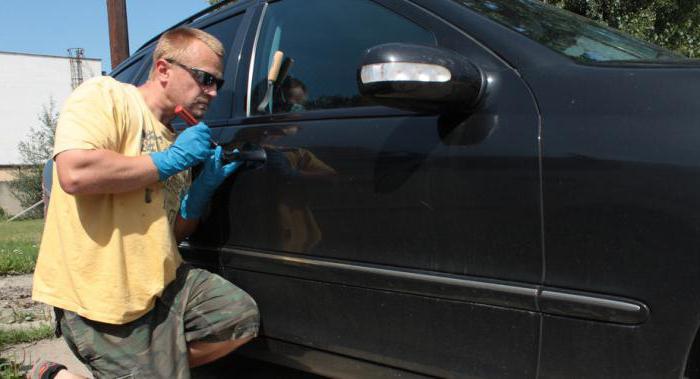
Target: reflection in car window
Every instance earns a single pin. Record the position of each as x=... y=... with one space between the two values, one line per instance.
x=320 y=44
x=567 y=33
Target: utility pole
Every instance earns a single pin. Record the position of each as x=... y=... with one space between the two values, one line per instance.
x=118 y=31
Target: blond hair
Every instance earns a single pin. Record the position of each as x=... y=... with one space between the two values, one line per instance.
x=174 y=44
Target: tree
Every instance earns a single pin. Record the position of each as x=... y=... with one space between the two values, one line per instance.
x=673 y=24
x=34 y=152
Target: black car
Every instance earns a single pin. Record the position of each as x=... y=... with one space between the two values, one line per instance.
x=468 y=189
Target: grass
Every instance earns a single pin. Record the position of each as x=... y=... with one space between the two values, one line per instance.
x=10 y=368
x=19 y=245
x=15 y=336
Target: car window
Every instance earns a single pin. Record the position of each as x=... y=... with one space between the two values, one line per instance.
x=320 y=44
x=567 y=33
x=127 y=75
x=142 y=75
x=225 y=30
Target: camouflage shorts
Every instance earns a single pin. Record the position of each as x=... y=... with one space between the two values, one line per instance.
x=197 y=306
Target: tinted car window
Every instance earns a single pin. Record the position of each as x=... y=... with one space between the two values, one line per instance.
x=225 y=31
x=321 y=42
x=127 y=75
x=569 y=34
x=141 y=77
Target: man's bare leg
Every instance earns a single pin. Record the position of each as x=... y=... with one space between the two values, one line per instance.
x=65 y=374
x=200 y=353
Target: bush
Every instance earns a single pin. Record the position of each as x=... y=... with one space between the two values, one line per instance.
x=672 y=24
x=35 y=151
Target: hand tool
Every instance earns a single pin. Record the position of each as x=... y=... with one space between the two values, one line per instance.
x=271 y=78
x=255 y=154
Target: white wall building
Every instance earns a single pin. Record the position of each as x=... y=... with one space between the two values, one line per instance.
x=27 y=83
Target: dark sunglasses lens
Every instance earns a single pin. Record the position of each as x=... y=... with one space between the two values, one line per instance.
x=206 y=79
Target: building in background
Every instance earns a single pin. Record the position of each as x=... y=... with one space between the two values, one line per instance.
x=9 y=204
x=28 y=82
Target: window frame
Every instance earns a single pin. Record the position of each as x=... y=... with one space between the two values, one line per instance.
x=398 y=7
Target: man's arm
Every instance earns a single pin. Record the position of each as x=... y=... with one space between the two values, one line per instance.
x=96 y=171
x=82 y=172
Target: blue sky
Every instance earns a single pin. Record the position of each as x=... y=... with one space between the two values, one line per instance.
x=50 y=27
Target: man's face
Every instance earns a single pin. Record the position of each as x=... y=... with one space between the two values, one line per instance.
x=297 y=95
x=183 y=86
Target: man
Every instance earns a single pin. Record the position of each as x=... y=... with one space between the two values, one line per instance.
x=108 y=262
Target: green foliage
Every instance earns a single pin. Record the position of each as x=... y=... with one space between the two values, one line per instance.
x=673 y=24
x=10 y=369
x=17 y=257
x=26 y=187
x=19 y=241
x=10 y=366
x=34 y=151
x=15 y=336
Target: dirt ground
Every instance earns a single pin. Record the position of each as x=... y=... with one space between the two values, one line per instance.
x=18 y=311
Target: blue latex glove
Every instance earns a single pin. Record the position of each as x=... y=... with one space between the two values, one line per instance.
x=190 y=148
x=213 y=174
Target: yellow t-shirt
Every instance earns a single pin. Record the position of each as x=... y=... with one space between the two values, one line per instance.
x=108 y=256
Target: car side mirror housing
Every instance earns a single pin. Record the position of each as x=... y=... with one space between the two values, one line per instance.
x=419 y=78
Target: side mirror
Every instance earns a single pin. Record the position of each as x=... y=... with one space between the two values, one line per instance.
x=419 y=78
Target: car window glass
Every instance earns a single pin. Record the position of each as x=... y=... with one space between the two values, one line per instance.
x=126 y=75
x=321 y=43
x=569 y=34
x=142 y=75
x=225 y=31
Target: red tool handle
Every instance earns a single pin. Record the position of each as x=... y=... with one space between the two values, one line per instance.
x=185 y=115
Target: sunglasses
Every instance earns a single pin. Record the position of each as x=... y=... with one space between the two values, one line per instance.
x=204 y=78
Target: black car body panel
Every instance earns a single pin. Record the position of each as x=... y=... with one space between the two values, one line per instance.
x=550 y=230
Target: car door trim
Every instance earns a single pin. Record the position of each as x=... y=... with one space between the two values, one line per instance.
x=471 y=289
x=253 y=51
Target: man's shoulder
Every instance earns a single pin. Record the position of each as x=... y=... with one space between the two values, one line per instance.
x=102 y=83
x=101 y=89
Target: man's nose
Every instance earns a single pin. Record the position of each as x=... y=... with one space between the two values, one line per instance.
x=211 y=91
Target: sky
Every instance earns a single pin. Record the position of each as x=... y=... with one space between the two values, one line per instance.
x=50 y=27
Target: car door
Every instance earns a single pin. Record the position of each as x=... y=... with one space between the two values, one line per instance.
x=395 y=238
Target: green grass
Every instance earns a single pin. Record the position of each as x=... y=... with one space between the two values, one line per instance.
x=19 y=245
x=15 y=336
x=9 y=367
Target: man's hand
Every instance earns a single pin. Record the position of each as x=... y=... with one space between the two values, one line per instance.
x=212 y=175
x=190 y=148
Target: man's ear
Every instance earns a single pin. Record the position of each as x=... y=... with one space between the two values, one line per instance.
x=162 y=70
